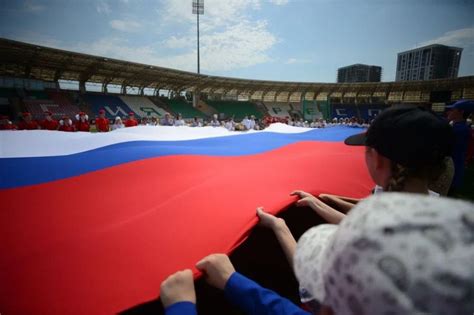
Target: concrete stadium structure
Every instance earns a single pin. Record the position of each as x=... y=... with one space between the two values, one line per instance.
x=22 y=60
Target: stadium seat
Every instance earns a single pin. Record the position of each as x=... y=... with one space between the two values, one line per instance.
x=182 y=107
x=38 y=107
x=343 y=110
x=37 y=102
x=4 y=106
x=282 y=110
x=66 y=107
x=369 y=111
x=113 y=105
x=142 y=106
x=36 y=95
x=7 y=93
x=206 y=109
x=5 y=96
x=236 y=109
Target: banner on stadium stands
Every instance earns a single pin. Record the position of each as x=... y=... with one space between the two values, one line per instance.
x=283 y=110
x=363 y=111
x=92 y=223
x=142 y=106
x=112 y=105
x=343 y=111
x=370 y=111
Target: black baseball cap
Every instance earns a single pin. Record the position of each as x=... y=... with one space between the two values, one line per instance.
x=409 y=135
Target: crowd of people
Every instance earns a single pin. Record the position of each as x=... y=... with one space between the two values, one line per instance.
x=82 y=122
x=102 y=124
x=322 y=123
x=403 y=250
x=459 y=118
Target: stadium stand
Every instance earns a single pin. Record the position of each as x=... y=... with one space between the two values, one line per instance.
x=59 y=97
x=142 y=106
x=5 y=106
x=18 y=60
x=36 y=95
x=314 y=109
x=236 y=109
x=80 y=101
x=113 y=105
x=369 y=111
x=262 y=108
x=7 y=93
x=179 y=106
x=282 y=110
x=278 y=109
x=66 y=107
x=38 y=107
x=57 y=102
x=5 y=100
x=206 y=109
x=343 y=111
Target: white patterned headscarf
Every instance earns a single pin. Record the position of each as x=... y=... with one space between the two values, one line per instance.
x=394 y=253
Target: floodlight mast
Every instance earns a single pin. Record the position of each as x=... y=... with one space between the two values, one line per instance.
x=198 y=9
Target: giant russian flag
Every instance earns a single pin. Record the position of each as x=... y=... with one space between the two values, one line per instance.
x=92 y=223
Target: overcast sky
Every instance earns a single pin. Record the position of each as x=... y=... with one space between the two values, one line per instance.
x=288 y=40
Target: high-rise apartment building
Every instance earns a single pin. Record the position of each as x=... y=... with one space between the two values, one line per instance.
x=359 y=73
x=428 y=62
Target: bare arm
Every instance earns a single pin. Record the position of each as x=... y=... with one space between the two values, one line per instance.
x=282 y=233
x=347 y=199
x=342 y=203
x=328 y=213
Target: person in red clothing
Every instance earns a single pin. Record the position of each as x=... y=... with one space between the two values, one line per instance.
x=49 y=123
x=6 y=124
x=66 y=125
x=101 y=122
x=131 y=121
x=82 y=123
x=27 y=123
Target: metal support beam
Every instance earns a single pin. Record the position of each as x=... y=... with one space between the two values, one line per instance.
x=82 y=86
x=196 y=98
x=27 y=70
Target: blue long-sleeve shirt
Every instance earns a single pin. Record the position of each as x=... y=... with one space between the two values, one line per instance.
x=462 y=134
x=249 y=297
x=181 y=308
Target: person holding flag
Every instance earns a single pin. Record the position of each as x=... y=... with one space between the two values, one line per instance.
x=49 y=123
x=131 y=121
x=101 y=122
x=82 y=123
x=27 y=123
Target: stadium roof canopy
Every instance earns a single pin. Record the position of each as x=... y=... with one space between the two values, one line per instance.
x=38 y=62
